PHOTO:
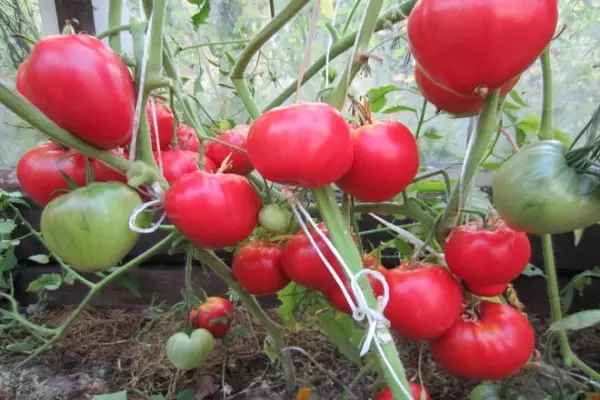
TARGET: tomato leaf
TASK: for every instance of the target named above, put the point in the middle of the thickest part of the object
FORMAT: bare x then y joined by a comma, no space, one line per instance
40,258
20,347
290,297
45,282
578,233
340,329
530,124
7,226
377,96
122,395
532,270
269,349
189,393
491,166
577,284
396,109
577,321
8,261
201,16
432,135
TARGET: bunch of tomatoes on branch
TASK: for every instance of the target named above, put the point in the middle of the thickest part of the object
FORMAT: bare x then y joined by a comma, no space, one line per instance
256,187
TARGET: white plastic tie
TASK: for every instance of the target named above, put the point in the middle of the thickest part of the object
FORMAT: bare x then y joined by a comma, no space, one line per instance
156,194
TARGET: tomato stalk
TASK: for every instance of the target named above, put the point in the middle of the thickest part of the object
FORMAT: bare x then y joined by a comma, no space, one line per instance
114,30
546,132
351,16
207,44
115,8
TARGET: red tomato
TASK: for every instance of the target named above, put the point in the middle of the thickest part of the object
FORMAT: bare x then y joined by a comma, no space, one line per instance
176,163
39,171
416,389
338,300
370,262
187,138
487,256
83,86
491,348
469,45
257,267
487,291
21,82
386,160
302,263
306,145
215,315
102,172
240,163
451,102
164,120
213,210
424,302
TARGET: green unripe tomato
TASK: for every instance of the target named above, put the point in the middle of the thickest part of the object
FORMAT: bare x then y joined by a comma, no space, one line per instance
274,218
189,352
485,391
89,227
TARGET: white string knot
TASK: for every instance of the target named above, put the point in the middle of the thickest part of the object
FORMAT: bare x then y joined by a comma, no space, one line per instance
157,197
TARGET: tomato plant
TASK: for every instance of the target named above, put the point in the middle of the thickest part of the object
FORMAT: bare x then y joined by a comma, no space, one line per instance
257,268
218,152
286,146
386,160
189,352
491,347
93,99
418,392
164,120
215,315
176,163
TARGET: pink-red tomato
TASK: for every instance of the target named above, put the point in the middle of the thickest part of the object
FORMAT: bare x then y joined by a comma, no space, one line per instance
424,301
490,348
450,102
257,268
337,298
468,45
176,163
386,160
213,210
487,256
104,173
187,138
40,172
21,83
306,145
215,315
218,152
164,121
486,291
418,392
83,86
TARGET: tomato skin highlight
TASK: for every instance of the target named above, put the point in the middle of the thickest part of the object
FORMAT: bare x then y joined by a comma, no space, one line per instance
164,120
257,268
487,257
213,210
479,43
177,163
218,152
213,309
306,145
187,138
492,348
416,389
386,160
39,171
487,291
424,302
83,86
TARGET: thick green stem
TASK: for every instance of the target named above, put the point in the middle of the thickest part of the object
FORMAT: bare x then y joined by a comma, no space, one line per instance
199,45
351,16
392,16
546,131
155,57
114,20
237,75
275,330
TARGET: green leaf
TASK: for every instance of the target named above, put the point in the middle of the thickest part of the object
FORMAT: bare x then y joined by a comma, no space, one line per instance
157,397
340,330
128,282
290,297
122,395
187,394
532,270
377,97
432,135
69,278
201,16
21,347
7,226
230,58
530,124
492,166
269,349
577,284
241,331
396,109
577,321
45,282
514,94
40,258
403,247
327,9
7,261
430,187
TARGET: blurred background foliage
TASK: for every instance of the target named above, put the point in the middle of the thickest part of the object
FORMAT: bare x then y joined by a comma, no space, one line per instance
575,60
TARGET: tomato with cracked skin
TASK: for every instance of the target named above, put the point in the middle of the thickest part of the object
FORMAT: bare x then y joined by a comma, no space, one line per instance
425,300
187,138
218,152
213,210
164,120
176,163
82,86
479,45
215,315
257,267
488,348
418,392
386,160
306,145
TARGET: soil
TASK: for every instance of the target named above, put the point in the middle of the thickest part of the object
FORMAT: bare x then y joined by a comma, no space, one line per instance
107,351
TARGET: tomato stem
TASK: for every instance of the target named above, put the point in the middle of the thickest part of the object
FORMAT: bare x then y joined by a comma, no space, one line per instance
546,131
207,44
114,30
115,8
421,119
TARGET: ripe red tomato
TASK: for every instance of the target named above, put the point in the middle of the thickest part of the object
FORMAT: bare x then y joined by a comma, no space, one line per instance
424,301
476,44
417,392
83,86
451,102
187,138
213,210
176,163
338,300
218,152
386,160
164,120
488,349
306,145
39,171
257,267
487,256
215,315
102,172
486,291
21,83
302,263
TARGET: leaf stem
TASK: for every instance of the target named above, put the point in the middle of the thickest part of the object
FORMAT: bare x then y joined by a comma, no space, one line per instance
113,31
421,119
351,16
199,45
546,131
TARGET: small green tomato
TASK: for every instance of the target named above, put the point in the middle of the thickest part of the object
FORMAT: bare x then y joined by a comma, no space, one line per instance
189,352
274,218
